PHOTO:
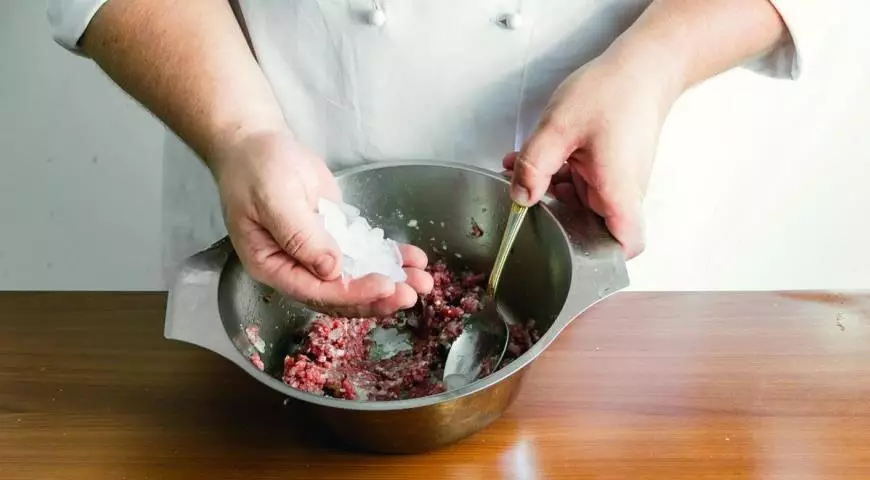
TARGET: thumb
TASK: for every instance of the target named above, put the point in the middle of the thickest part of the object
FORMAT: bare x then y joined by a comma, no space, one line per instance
300,232
539,159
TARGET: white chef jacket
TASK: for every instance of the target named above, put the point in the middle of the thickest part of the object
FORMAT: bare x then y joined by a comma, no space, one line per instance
439,79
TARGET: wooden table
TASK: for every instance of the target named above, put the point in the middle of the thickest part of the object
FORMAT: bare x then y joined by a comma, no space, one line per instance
671,386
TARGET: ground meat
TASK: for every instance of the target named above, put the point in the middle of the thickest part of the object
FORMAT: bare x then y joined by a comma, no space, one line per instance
257,361
253,334
476,231
337,357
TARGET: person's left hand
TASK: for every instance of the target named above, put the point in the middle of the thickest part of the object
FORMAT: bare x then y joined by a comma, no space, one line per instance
595,143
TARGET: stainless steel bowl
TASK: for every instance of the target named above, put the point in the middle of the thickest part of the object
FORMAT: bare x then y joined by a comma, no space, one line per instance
563,263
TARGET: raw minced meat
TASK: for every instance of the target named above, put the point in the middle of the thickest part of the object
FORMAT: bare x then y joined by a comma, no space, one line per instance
476,231
257,361
337,357
253,334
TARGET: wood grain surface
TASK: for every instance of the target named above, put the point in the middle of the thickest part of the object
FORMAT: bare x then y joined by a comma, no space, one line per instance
670,386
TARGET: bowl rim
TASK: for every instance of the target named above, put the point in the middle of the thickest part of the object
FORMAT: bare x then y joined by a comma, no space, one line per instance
448,396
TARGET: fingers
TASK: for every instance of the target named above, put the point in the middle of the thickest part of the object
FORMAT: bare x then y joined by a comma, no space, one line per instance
268,263
563,175
508,161
351,296
567,194
299,232
560,178
371,295
550,189
419,280
581,189
542,156
283,273
612,194
413,256
404,298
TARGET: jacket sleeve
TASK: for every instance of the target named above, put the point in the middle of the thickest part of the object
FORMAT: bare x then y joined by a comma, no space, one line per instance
68,20
807,22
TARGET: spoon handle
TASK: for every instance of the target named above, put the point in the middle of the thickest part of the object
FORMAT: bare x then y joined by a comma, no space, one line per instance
515,220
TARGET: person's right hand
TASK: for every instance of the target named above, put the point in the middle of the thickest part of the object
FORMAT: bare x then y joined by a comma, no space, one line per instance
269,186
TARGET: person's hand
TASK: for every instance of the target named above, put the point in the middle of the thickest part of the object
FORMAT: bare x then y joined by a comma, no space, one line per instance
269,186
596,141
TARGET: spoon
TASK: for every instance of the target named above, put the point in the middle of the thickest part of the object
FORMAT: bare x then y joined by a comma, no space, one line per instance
484,336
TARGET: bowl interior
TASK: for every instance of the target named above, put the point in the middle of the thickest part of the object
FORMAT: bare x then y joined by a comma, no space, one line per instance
435,208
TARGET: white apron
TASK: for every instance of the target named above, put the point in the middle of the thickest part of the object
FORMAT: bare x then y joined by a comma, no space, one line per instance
440,79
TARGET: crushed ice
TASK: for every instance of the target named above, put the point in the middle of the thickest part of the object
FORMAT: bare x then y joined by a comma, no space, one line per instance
364,249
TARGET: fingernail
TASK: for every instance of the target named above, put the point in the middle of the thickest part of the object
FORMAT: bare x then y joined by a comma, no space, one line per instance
520,195
324,265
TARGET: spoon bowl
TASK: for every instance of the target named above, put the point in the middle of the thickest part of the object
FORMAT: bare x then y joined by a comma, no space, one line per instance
479,349
481,346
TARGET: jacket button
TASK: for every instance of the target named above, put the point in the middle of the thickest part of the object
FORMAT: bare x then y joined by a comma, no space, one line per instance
512,21
377,17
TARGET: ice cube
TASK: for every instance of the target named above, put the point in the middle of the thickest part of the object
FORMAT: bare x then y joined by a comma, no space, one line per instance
364,249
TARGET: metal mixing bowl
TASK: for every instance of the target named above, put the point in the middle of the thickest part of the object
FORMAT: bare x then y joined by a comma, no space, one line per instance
563,263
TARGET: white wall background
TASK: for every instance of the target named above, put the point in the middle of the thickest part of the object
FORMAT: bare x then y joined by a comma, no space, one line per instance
760,184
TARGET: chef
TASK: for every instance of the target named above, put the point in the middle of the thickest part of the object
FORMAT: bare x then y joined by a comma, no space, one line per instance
263,99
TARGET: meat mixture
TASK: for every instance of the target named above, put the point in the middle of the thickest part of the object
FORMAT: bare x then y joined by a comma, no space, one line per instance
476,231
338,357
